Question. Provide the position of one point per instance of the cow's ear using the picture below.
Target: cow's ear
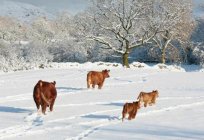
(54, 82)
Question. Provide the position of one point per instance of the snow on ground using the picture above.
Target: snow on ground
(92, 114)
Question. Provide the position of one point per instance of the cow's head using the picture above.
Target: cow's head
(137, 104)
(156, 93)
(106, 73)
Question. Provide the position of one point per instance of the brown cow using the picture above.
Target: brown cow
(97, 78)
(130, 109)
(44, 95)
(148, 97)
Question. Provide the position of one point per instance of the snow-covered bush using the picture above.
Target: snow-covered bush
(36, 54)
(12, 30)
(11, 58)
(96, 53)
(68, 51)
(197, 55)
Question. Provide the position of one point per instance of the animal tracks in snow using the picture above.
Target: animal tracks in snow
(34, 123)
(13, 131)
(81, 118)
(20, 97)
(77, 90)
(32, 120)
(116, 120)
(171, 108)
(125, 80)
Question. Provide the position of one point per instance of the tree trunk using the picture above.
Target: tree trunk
(125, 60)
(163, 60)
(167, 40)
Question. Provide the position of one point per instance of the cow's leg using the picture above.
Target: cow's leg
(123, 116)
(93, 85)
(37, 101)
(100, 85)
(150, 102)
(88, 84)
(44, 105)
(145, 104)
(52, 104)
(130, 115)
(39, 110)
(37, 105)
(134, 114)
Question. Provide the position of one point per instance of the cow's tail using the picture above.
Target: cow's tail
(42, 94)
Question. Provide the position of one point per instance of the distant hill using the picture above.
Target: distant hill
(27, 10)
(22, 11)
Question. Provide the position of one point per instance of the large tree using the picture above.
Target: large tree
(119, 25)
(176, 24)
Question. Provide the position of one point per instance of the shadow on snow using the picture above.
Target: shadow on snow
(93, 116)
(69, 89)
(115, 104)
(13, 109)
(163, 132)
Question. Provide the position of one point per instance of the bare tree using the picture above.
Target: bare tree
(119, 25)
(176, 23)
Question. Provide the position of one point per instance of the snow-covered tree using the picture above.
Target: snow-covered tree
(12, 30)
(42, 30)
(68, 51)
(37, 54)
(176, 24)
(196, 53)
(62, 26)
(11, 58)
(120, 25)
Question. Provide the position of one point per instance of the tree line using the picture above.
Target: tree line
(122, 31)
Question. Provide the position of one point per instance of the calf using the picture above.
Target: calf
(44, 95)
(130, 109)
(97, 78)
(148, 97)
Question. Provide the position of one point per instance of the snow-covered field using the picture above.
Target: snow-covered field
(92, 114)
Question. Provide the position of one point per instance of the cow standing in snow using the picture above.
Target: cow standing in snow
(97, 78)
(148, 98)
(44, 95)
(130, 109)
